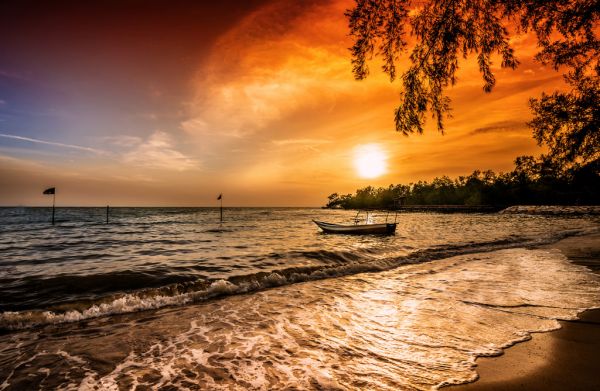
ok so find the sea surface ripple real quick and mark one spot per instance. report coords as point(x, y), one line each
point(171, 298)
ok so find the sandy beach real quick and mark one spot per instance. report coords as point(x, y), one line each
point(565, 359)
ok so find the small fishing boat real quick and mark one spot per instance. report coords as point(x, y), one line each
point(357, 229)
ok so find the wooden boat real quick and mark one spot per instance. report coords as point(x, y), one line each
point(358, 229)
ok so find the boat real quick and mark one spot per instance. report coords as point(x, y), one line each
point(357, 229)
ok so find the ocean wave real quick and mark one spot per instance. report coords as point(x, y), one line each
point(416, 328)
point(199, 290)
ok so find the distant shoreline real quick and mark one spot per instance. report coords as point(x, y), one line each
point(573, 210)
point(159, 207)
point(553, 209)
point(577, 210)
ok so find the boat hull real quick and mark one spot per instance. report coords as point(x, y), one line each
point(364, 229)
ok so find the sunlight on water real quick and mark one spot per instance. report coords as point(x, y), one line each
point(414, 327)
point(151, 257)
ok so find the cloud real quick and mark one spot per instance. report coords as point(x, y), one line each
point(274, 114)
point(499, 127)
point(301, 141)
point(158, 152)
point(123, 140)
point(38, 141)
point(13, 75)
point(282, 59)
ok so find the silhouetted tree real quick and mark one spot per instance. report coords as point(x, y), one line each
point(533, 181)
point(569, 122)
point(444, 30)
point(333, 200)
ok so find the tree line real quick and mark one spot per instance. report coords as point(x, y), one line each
point(532, 182)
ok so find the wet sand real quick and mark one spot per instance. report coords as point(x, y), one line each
point(565, 359)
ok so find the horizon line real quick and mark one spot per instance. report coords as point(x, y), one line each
point(156, 206)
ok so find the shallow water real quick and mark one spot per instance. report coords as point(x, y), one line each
point(410, 311)
point(414, 327)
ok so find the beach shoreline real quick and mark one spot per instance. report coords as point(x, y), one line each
point(404, 323)
point(567, 358)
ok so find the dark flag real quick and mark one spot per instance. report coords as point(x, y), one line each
point(218, 198)
point(51, 190)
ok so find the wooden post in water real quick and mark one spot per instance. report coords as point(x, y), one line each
point(53, 205)
point(52, 191)
point(220, 198)
point(106, 214)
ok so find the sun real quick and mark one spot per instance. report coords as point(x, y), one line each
point(370, 160)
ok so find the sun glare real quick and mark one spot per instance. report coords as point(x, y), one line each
point(370, 160)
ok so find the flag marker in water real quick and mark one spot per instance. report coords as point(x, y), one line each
point(106, 214)
point(51, 190)
point(220, 198)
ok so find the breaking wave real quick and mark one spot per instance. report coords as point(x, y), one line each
point(183, 293)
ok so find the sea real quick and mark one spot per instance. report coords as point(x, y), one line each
point(173, 298)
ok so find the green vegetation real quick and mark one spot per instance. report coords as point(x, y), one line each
point(530, 183)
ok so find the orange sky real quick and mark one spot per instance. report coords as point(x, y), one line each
point(263, 108)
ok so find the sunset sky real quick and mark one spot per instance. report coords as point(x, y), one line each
point(171, 103)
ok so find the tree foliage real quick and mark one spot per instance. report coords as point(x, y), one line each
point(569, 122)
point(445, 30)
point(532, 182)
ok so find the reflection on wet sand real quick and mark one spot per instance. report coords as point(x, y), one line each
point(414, 327)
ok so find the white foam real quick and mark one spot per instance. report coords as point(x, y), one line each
point(142, 301)
point(416, 328)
